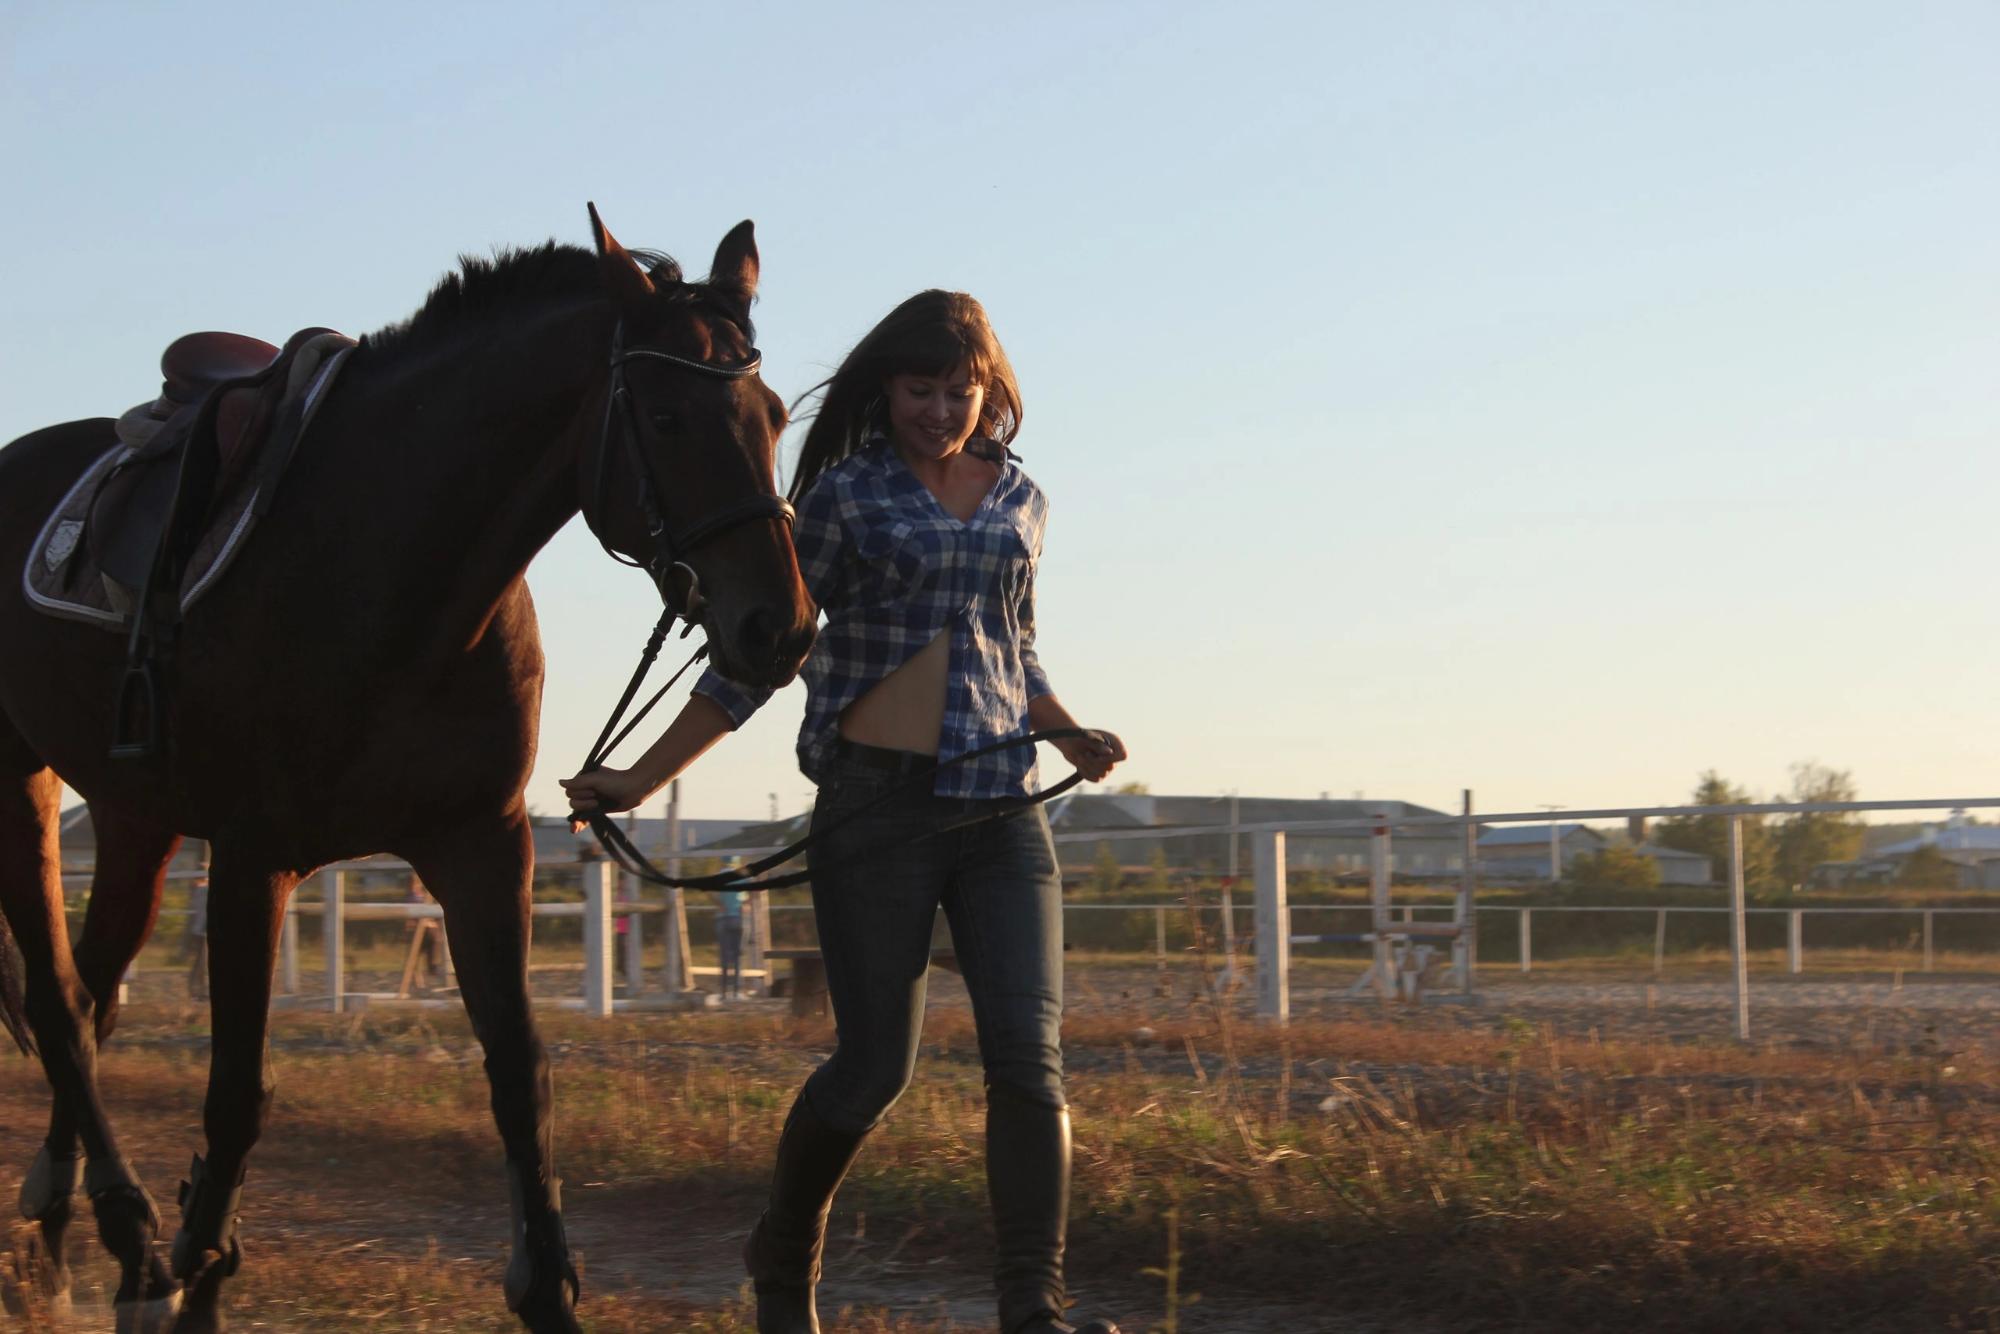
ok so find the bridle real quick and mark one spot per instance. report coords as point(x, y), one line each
point(669, 549)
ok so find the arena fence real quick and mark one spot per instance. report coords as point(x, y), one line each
point(1409, 949)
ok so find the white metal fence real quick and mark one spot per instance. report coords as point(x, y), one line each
point(1409, 946)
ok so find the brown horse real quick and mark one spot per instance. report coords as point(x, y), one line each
point(366, 679)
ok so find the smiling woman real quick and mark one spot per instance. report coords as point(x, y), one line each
point(919, 535)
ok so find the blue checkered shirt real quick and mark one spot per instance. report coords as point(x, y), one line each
point(892, 570)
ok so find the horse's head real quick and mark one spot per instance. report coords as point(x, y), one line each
point(683, 478)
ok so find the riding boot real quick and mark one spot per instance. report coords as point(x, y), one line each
point(1027, 1176)
point(783, 1251)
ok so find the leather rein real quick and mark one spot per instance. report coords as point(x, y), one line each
point(667, 557)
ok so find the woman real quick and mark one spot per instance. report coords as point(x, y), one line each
point(918, 535)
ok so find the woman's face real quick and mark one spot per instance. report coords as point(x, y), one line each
point(932, 416)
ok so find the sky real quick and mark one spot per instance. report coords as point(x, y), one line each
point(1555, 400)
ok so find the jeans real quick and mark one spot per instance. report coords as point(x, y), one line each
point(729, 955)
point(876, 905)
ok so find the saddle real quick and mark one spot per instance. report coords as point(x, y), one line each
point(154, 522)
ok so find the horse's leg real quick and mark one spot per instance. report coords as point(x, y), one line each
point(132, 859)
point(481, 876)
point(61, 1016)
point(246, 910)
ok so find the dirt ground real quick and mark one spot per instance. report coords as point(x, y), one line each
point(398, 1216)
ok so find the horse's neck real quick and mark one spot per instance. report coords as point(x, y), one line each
point(487, 458)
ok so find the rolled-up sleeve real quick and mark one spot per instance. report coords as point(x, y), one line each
point(817, 539)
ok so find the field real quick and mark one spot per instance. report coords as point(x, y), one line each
point(1579, 1149)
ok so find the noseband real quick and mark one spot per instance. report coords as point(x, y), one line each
point(669, 549)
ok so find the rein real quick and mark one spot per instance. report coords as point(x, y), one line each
point(753, 878)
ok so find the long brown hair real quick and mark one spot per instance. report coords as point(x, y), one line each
point(932, 333)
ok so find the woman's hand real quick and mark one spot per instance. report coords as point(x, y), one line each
point(605, 790)
point(1094, 755)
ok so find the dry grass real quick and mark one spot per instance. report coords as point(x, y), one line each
point(1444, 1168)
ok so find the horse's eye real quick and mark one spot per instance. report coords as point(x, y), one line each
point(664, 422)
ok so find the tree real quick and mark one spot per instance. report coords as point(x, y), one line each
point(1927, 868)
point(1804, 841)
point(1612, 868)
point(1132, 790)
point(1106, 875)
point(1709, 834)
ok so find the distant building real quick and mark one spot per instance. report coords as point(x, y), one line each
point(555, 843)
point(1973, 848)
point(1521, 851)
point(1075, 817)
point(1678, 866)
point(1414, 850)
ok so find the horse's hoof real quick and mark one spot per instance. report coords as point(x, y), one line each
point(148, 1317)
point(561, 1321)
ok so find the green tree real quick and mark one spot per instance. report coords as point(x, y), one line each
point(1133, 790)
point(1159, 881)
point(1927, 868)
point(1709, 834)
point(1107, 877)
point(1612, 869)
point(1804, 841)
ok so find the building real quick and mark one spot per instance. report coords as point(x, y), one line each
point(1677, 866)
point(1974, 849)
point(1415, 850)
point(1521, 851)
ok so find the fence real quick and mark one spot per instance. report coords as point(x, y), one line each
point(1399, 946)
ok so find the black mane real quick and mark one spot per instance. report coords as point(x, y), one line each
point(483, 290)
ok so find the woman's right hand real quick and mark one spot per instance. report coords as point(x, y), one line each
point(603, 790)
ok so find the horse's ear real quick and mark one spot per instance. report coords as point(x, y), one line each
point(623, 277)
point(735, 267)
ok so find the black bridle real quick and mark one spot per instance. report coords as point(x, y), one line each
point(669, 549)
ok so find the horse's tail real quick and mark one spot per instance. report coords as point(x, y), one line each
point(13, 1003)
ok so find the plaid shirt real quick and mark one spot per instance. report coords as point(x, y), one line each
point(892, 570)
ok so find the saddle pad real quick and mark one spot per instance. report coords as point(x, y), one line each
point(61, 579)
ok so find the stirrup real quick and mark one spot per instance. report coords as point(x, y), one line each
point(135, 726)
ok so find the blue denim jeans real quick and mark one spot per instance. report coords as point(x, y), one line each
point(876, 905)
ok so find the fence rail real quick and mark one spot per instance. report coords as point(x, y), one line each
point(1401, 945)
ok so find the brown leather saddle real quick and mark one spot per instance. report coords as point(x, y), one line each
point(230, 414)
point(219, 399)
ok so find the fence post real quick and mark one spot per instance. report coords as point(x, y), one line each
point(1795, 943)
point(1659, 941)
point(597, 888)
point(1384, 969)
point(1527, 939)
point(756, 939)
point(1160, 949)
point(1274, 938)
point(288, 950)
point(1465, 949)
point(1739, 929)
point(635, 939)
point(333, 901)
point(1929, 958)
point(1229, 900)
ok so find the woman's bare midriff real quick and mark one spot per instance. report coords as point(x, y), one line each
point(905, 710)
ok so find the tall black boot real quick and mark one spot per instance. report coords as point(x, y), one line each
point(1027, 1175)
point(783, 1251)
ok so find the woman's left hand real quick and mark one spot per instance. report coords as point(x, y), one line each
point(1094, 755)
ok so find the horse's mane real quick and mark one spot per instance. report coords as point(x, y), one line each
point(486, 289)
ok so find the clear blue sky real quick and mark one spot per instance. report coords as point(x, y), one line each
point(1549, 399)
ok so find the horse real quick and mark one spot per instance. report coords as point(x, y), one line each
point(367, 679)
